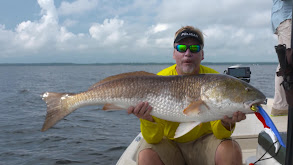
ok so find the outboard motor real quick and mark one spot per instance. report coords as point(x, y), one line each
point(243, 73)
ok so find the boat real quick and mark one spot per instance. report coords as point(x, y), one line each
point(248, 133)
point(256, 144)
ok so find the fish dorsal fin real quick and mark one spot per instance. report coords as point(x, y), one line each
point(122, 75)
point(111, 107)
point(195, 107)
point(184, 128)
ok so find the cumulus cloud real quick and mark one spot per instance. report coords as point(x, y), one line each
point(36, 34)
point(159, 28)
point(7, 45)
point(236, 44)
point(39, 35)
point(111, 31)
point(77, 7)
point(157, 36)
point(228, 34)
point(202, 13)
point(69, 22)
point(259, 19)
point(232, 29)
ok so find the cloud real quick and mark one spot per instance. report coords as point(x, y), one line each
point(69, 22)
point(158, 36)
point(202, 13)
point(159, 28)
point(77, 7)
point(259, 19)
point(233, 29)
point(36, 34)
point(232, 35)
point(140, 30)
point(48, 10)
point(237, 44)
point(111, 31)
point(7, 45)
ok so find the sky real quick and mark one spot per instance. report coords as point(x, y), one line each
point(132, 31)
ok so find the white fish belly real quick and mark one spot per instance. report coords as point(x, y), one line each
point(170, 109)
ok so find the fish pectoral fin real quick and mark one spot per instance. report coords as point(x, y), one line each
point(195, 107)
point(112, 107)
point(184, 128)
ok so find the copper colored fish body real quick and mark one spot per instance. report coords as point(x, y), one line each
point(185, 99)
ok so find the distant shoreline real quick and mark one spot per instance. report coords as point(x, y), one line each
point(97, 64)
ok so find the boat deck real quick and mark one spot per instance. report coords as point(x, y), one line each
point(246, 131)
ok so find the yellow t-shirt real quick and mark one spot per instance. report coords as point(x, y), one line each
point(153, 132)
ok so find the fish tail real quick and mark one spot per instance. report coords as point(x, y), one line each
point(57, 108)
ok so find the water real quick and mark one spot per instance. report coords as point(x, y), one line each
point(87, 136)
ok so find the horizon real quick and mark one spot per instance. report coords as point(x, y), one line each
point(134, 63)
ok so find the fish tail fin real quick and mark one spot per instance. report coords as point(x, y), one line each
point(57, 108)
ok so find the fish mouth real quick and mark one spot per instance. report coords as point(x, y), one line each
point(257, 102)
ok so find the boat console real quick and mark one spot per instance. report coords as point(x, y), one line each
point(240, 72)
